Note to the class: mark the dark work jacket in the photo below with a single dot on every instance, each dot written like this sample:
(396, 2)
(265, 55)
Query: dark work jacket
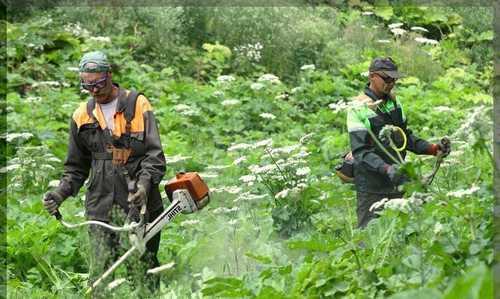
(88, 141)
(370, 161)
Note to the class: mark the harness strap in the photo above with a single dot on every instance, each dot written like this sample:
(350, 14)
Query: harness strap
(102, 156)
(106, 156)
(90, 107)
(130, 109)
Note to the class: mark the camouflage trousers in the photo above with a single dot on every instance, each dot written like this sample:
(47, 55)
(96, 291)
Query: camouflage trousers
(107, 246)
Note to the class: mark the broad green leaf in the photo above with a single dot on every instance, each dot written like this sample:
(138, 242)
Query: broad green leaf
(477, 283)
(424, 293)
(260, 258)
(270, 292)
(385, 12)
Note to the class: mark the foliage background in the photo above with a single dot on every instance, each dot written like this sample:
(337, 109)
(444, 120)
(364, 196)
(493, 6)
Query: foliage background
(254, 98)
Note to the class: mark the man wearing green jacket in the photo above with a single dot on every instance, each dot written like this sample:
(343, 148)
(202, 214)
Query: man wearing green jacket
(376, 174)
(114, 138)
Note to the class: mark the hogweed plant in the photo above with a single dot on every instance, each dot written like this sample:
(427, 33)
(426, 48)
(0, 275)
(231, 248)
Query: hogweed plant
(283, 173)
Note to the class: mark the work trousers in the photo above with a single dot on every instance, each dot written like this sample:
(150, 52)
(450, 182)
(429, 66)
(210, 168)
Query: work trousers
(107, 246)
(365, 200)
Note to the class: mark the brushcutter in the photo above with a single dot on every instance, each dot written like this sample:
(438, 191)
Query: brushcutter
(187, 192)
(345, 170)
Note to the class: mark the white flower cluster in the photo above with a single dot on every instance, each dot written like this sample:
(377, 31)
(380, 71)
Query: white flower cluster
(227, 189)
(405, 205)
(46, 83)
(303, 171)
(244, 146)
(250, 51)
(248, 179)
(256, 169)
(100, 39)
(296, 89)
(398, 31)
(339, 106)
(9, 137)
(32, 99)
(73, 69)
(247, 196)
(10, 167)
(239, 160)
(383, 41)
(217, 167)
(463, 192)
(239, 146)
(416, 28)
(230, 102)
(304, 139)
(208, 175)
(176, 158)
(367, 13)
(190, 222)
(218, 93)
(308, 67)
(290, 191)
(395, 25)
(476, 122)
(263, 143)
(428, 41)
(76, 30)
(443, 109)
(225, 78)
(286, 149)
(266, 115)
(256, 86)
(269, 78)
(186, 110)
(438, 228)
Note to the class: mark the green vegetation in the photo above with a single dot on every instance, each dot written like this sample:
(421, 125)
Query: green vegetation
(254, 99)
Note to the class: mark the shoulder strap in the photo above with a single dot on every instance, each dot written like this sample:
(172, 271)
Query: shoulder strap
(90, 107)
(130, 109)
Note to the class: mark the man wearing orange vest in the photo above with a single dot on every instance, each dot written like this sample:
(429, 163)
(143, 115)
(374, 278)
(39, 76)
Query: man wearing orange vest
(114, 137)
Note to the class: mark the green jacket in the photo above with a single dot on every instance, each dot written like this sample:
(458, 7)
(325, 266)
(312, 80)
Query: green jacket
(370, 161)
(88, 141)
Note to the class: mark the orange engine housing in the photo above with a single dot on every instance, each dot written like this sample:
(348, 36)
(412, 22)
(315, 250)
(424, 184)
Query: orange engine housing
(190, 181)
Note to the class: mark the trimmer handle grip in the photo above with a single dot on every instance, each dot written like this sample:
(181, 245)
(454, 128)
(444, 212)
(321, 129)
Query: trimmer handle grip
(58, 215)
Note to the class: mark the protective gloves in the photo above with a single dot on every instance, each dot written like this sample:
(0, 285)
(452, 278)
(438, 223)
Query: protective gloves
(51, 201)
(140, 197)
(395, 175)
(443, 146)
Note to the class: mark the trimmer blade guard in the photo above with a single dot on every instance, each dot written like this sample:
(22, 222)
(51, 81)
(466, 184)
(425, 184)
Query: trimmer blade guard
(192, 182)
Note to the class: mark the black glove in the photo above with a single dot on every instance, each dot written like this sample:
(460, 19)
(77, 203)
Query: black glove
(140, 197)
(51, 201)
(395, 175)
(444, 146)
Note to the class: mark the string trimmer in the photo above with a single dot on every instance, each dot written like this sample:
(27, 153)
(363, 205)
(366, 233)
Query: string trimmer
(187, 192)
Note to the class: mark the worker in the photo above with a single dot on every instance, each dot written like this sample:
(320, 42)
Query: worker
(114, 137)
(376, 174)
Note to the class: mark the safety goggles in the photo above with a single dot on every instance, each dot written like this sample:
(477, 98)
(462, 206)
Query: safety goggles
(96, 84)
(387, 80)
